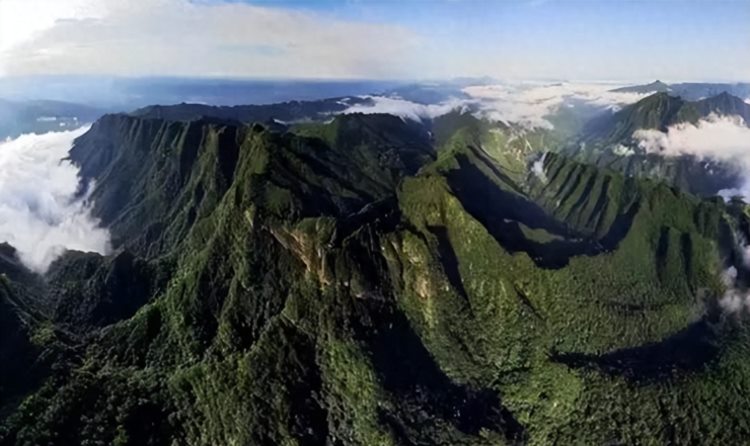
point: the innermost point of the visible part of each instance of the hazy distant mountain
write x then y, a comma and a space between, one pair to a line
653, 87
695, 91
17, 117
691, 91
608, 141
125, 94
428, 93
282, 112
659, 111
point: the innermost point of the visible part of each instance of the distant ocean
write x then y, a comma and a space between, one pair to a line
124, 94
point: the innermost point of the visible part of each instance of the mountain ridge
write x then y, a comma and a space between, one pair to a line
609, 141
366, 281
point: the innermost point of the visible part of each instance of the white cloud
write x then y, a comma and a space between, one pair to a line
181, 37
23, 20
530, 105
729, 276
725, 138
40, 214
537, 168
621, 150
720, 138
734, 300
406, 109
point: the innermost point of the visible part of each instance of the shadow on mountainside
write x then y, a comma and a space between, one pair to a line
502, 213
688, 350
422, 390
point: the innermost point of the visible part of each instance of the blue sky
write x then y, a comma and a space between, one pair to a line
524, 39
579, 38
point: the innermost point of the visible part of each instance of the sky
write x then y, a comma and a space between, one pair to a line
671, 40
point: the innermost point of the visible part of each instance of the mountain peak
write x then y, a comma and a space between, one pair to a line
724, 103
725, 96
656, 86
660, 111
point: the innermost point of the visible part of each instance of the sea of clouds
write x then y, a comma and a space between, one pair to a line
528, 105
531, 105
42, 212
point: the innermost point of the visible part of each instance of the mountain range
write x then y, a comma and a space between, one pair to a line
609, 140
691, 91
41, 116
364, 279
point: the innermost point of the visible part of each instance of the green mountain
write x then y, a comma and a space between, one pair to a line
284, 111
373, 281
660, 111
607, 141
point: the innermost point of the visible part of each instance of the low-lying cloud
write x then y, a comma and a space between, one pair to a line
537, 168
526, 105
406, 109
41, 214
716, 137
720, 138
736, 298
531, 105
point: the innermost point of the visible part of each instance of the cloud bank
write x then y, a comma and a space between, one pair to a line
531, 105
528, 105
406, 109
195, 38
717, 137
720, 138
40, 214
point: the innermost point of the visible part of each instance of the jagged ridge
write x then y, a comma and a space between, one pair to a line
350, 283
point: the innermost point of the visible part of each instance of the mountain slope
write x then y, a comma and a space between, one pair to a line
659, 111
358, 282
156, 178
609, 141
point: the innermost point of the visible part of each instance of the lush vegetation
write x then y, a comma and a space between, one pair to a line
607, 141
374, 281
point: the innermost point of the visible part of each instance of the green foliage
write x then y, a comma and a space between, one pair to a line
608, 141
359, 283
